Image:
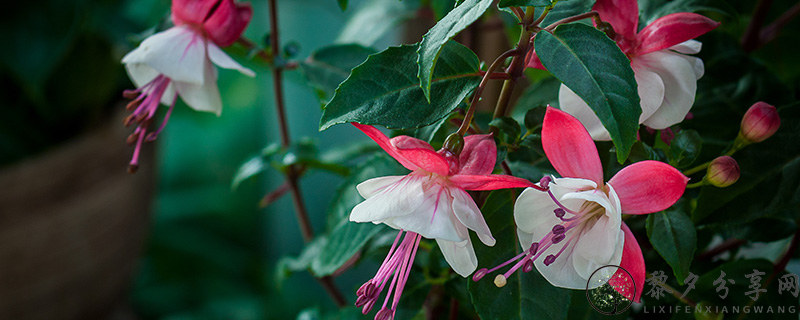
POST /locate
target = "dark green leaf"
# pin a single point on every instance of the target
(288, 265)
(442, 7)
(383, 90)
(329, 66)
(507, 126)
(436, 131)
(342, 4)
(534, 117)
(433, 42)
(592, 65)
(684, 149)
(523, 3)
(641, 151)
(526, 295)
(673, 235)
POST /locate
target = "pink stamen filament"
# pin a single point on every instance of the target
(397, 266)
(146, 104)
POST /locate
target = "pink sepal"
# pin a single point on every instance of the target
(223, 21)
(412, 153)
(479, 154)
(672, 29)
(488, 182)
(633, 262)
(623, 15)
(648, 186)
(569, 147)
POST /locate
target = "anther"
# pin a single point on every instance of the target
(384, 314)
(132, 138)
(534, 247)
(559, 212)
(479, 274)
(544, 182)
(133, 105)
(528, 266)
(132, 168)
(128, 120)
(130, 94)
(549, 260)
(500, 280)
(557, 238)
(361, 301)
(558, 229)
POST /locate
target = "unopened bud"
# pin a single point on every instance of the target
(722, 172)
(759, 122)
(607, 29)
(454, 143)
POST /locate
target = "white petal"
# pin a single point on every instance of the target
(680, 85)
(573, 104)
(178, 53)
(586, 267)
(140, 73)
(459, 255)
(697, 65)
(651, 90)
(433, 218)
(596, 244)
(372, 186)
(533, 211)
(688, 47)
(561, 272)
(467, 213)
(221, 59)
(202, 97)
(402, 198)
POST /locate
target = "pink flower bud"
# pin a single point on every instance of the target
(223, 21)
(760, 122)
(722, 172)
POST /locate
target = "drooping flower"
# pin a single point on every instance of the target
(180, 62)
(429, 202)
(575, 227)
(665, 73)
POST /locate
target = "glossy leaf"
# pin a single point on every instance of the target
(383, 90)
(567, 8)
(508, 126)
(433, 42)
(592, 65)
(329, 66)
(535, 117)
(523, 3)
(343, 242)
(254, 165)
(526, 295)
(342, 4)
(673, 235)
(685, 148)
(373, 19)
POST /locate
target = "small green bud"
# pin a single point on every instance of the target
(454, 143)
(607, 29)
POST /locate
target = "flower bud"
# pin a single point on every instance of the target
(759, 122)
(454, 143)
(722, 172)
(607, 29)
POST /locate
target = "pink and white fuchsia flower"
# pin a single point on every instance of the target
(180, 61)
(429, 202)
(575, 227)
(665, 74)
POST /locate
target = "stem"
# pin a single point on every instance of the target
(771, 31)
(750, 39)
(591, 14)
(696, 169)
(675, 293)
(696, 184)
(488, 75)
(292, 173)
(726, 245)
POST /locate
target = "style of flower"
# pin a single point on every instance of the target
(180, 62)
(575, 227)
(666, 75)
(429, 202)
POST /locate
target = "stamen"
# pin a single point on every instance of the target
(500, 281)
(557, 238)
(534, 247)
(384, 314)
(558, 229)
(559, 212)
(544, 182)
(549, 260)
(528, 266)
(479, 274)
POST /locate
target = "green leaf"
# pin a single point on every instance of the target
(342, 4)
(441, 8)
(641, 151)
(507, 126)
(382, 90)
(254, 165)
(592, 65)
(329, 66)
(526, 295)
(673, 235)
(374, 18)
(685, 148)
(535, 117)
(523, 3)
(567, 8)
(433, 42)
(344, 241)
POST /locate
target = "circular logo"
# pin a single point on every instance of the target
(607, 288)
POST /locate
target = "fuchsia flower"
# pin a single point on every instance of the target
(666, 75)
(180, 61)
(429, 202)
(576, 225)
